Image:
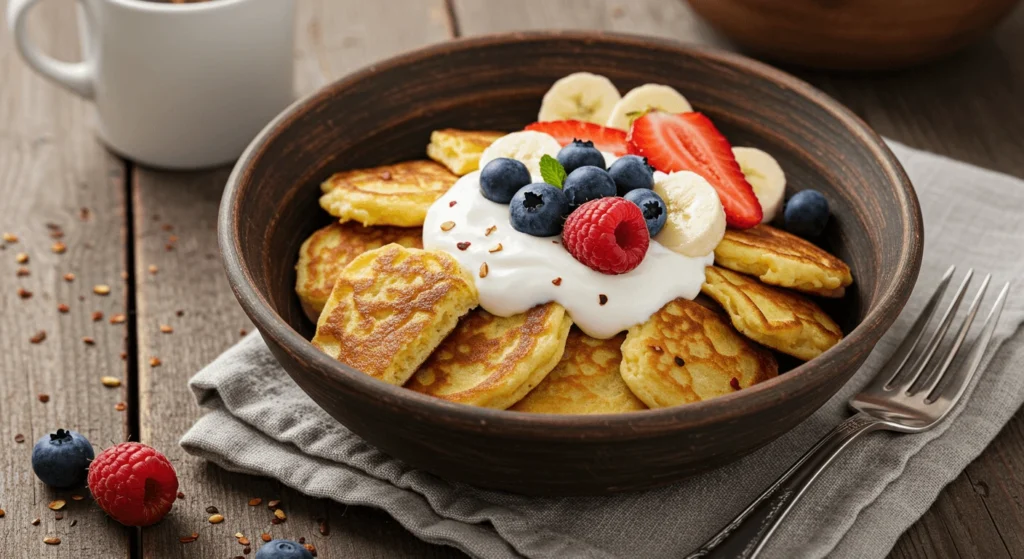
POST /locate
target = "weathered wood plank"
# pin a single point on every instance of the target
(51, 166)
(333, 38)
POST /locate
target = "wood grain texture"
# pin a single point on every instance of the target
(50, 167)
(333, 38)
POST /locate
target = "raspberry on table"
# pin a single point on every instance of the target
(608, 235)
(133, 483)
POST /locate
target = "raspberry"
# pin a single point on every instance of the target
(133, 483)
(608, 235)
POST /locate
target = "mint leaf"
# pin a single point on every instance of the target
(552, 171)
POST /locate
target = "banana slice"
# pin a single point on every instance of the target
(696, 219)
(644, 98)
(765, 175)
(580, 96)
(527, 146)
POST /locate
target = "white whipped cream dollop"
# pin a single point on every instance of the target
(527, 271)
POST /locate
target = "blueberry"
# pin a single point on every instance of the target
(283, 549)
(631, 172)
(62, 459)
(587, 183)
(501, 178)
(580, 153)
(538, 209)
(806, 213)
(653, 207)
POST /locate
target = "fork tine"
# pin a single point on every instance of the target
(902, 354)
(962, 377)
(935, 376)
(940, 333)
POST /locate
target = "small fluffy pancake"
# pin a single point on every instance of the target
(779, 258)
(396, 194)
(327, 251)
(586, 380)
(391, 307)
(779, 319)
(688, 353)
(460, 150)
(493, 362)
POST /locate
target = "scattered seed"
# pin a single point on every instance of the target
(84, 213)
(325, 529)
(59, 247)
(2, 513)
(74, 523)
(38, 337)
(311, 549)
(21, 258)
(118, 318)
(238, 535)
(275, 521)
(602, 299)
(181, 495)
(463, 245)
(88, 340)
(242, 331)
(97, 316)
(77, 497)
(120, 406)
(265, 537)
(179, 312)
(168, 247)
(124, 356)
(212, 509)
(110, 382)
(58, 516)
(124, 275)
(44, 398)
(273, 504)
(385, 176)
(69, 277)
(22, 272)
(101, 289)
(483, 270)
(302, 540)
(280, 514)
(217, 519)
(452, 204)
(497, 248)
(19, 438)
(557, 281)
(56, 504)
(679, 361)
(189, 539)
(255, 502)
(52, 540)
(447, 226)
(63, 308)
(155, 362)
(243, 540)
(734, 383)
(35, 522)
(246, 550)
(166, 329)
(490, 230)
(153, 269)
(10, 238)
(24, 293)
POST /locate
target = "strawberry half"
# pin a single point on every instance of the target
(607, 139)
(690, 142)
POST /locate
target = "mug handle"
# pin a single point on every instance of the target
(77, 77)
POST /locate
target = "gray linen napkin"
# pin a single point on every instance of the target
(260, 422)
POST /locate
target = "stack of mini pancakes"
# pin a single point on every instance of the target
(410, 317)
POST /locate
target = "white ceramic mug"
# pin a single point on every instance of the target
(179, 86)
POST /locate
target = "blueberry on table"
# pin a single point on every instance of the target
(62, 459)
(653, 207)
(283, 549)
(578, 154)
(806, 213)
(501, 178)
(587, 183)
(538, 209)
(631, 172)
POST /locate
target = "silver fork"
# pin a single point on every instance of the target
(907, 396)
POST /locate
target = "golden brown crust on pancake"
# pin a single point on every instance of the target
(493, 361)
(398, 194)
(586, 380)
(780, 258)
(687, 353)
(780, 319)
(328, 250)
(391, 307)
(460, 150)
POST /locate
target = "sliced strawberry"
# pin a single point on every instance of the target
(690, 142)
(607, 139)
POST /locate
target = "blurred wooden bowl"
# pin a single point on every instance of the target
(853, 34)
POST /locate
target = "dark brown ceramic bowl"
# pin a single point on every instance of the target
(385, 113)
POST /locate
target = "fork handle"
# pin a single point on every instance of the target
(746, 535)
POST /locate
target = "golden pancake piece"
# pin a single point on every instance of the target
(687, 353)
(586, 380)
(398, 194)
(780, 258)
(779, 319)
(460, 150)
(327, 251)
(493, 362)
(391, 307)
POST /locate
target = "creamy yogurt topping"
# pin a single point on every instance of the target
(528, 271)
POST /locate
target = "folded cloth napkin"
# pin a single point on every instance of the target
(260, 422)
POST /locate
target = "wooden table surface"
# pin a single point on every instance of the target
(150, 236)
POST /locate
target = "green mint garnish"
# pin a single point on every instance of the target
(552, 171)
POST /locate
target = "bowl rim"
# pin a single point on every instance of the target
(650, 422)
